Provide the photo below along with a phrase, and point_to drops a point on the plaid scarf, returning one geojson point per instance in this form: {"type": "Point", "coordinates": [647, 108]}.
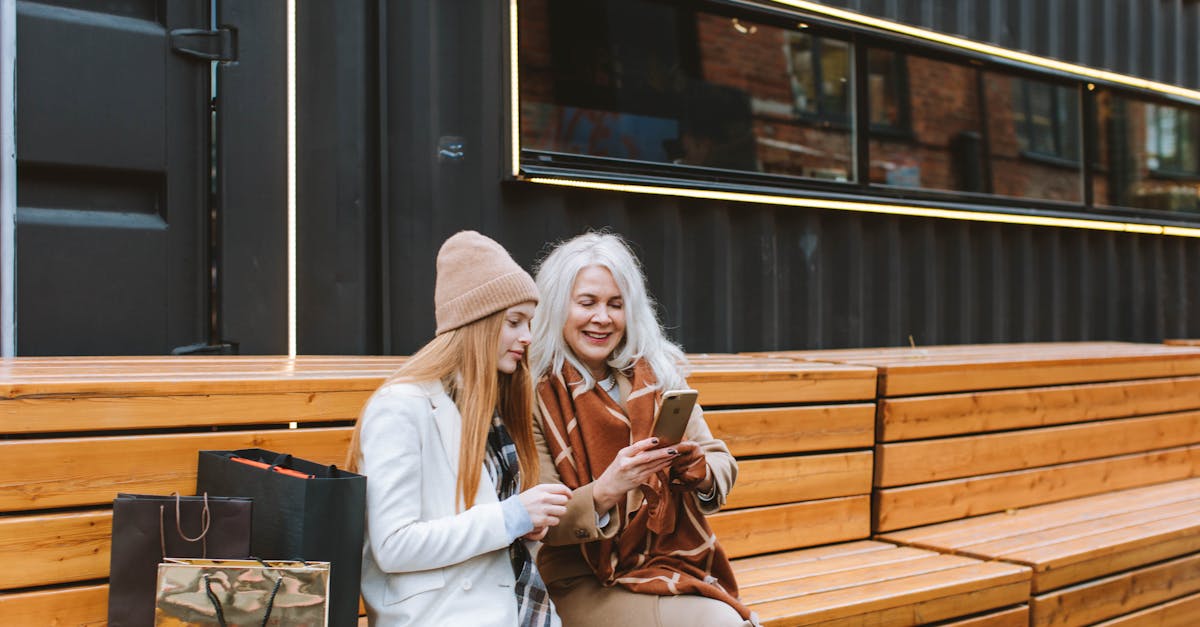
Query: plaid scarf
{"type": "Point", "coordinates": [667, 547]}
{"type": "Point", "coordinates": [534, 608]}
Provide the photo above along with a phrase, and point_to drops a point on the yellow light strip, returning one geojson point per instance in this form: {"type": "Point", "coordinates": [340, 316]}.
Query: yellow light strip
{"type": "Point", "coordinates": [884, 208]}
{"type": "Point", "coordinates": [291, 176]}
{"type": "Point", "coordinates": [1004, 53]}
{"type": "Point", "coordinates": [514, 92]}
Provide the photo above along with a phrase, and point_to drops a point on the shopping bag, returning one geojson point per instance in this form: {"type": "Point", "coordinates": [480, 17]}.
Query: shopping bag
{"type": "Point", "coordinates": [241, 592]}
{"type": "Point", "coordinates": [316, 517]}
{"type": "Point", "coordinates": [147, 528]}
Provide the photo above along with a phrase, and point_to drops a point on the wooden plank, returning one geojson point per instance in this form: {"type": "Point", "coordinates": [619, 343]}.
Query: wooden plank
{"type": "Point", "coordinates": [800, 478]}
{"type": "Point", "coordinates": [794, 429]}
{"type": "Point", "coordinates": [919, 417]}
{"type": "Point", "coordinates": [1106, 598]}
{"type": "Point", "coordinates": [788, 575]}
{"type": "Point", "coordinates": [813, 582]}
{"type": "Point", "coordinates": [908, 379]}
{"type": "Point", "coordinates": [85, 606]}
{"type": "Point", "coordinates": [54, 548]}
{"type": "Point", "coordinates": [955, 535]}
{"type": "Point", "coordinates": [782, 527]}
{"type": "Point", "coordinates": [943, 610]}
{"type": "Point", "coordinates": [814, 554]}
{"type": "Point", "coordinates": [922, 504]}
{"type": "Point", "coordinates": [65, 472]}
{"type": "Point", "coordinates": [942, 594]}
{"type": "Point", "coordinates": [100, 413]}
{"type": "Point", "coordinates": [1011, 617]}
{"type": "Point", "coordinates": [802, 383]}
{"type": "Point", "coordinates": [906, 463]}
{"type": "Point", "coordinates": [1182, 612]}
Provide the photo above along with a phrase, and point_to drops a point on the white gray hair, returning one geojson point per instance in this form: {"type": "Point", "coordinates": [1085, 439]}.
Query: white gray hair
{"type": "Point", "coordinates": [644, 336]}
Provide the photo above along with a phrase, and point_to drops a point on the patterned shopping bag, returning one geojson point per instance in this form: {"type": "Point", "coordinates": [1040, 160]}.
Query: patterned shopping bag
{"type": "Point", "coordinates": [242, 592]}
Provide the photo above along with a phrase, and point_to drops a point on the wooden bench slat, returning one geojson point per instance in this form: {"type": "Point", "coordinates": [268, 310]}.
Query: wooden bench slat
{"type": "Point", "coordinates": [1180, 612]}
{"type": "Point", "coordinates": [906, 463]}
{"type": "Point", "coordinates": [1012, 617]}
{"type": "Point", "coordinates": [1132, 555]}
{"type": "Point", "coordinates": [96, 413]}
{"type": "Point", "coordinates": [795, 525]}
{"type": "Point", "coordinates": [1120, 594]}
{"type": "Point", "coordinates": [918, 417]}
{"type": "Point", "coordinates": [974, 587]}
{"type": "Point", "coordinates": [813, 554]}
{"type": "Point", "coordinates": [1049, 545]}
{"type": "Point", "coordinates": [54, 548]}
{"type": "Point", "coordinates": [81, 606]}
{"type": "Point", "coordinates": [855, 562]}
{"type": "Point", "coordinates": [812, 583]}
{"type": "Point", "coordinates": [799, 385]}
{"type": "Point", "coordinates": [775, 480]}
{"type": "Point", "coordinates": [956, 534]}
{"type": "Point", "coordinates": [921, 504]}
{"type": "Point", "coordinates": [793, 429]}
{"type": "Point", "coordinates": [90, 471]}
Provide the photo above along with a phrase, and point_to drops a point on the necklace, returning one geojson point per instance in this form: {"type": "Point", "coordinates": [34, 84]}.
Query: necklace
{"type": "Point", "coordinates": [608, 383]}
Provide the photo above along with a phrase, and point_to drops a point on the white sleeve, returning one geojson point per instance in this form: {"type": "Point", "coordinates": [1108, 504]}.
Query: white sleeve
{"type": "Point", "coordinates": [401, 541]}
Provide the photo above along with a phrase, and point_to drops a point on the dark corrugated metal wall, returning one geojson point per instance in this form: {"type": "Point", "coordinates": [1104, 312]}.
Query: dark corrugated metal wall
{"type": "Point", "coordinates": [735, 277]}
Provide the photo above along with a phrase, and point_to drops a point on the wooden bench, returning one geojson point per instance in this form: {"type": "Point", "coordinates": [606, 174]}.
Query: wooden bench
{"type": "Point", "coordinates": [76, 431]}
{"type": "Point", "coordinates": [798, 518]}
{"type": "Point", "coordinates": [1077, 460]}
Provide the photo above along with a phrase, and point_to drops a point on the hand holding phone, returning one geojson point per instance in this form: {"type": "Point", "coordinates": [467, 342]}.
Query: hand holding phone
{"type": "Point", "coordinates": [673, 415]}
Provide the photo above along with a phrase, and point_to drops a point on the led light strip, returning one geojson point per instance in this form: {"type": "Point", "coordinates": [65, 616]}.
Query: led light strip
{"type": "Point", "coordinates": [291, 176]}
{"type": "Point", "coordinates": [884, 208]}
{"type": "Point", "coordinates": [1004, 53]}
{"type": "Point", "coordinates": [513, 86]}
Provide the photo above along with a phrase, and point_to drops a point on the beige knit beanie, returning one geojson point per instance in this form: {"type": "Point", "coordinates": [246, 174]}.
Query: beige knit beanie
{"type": "Point", "coordinates": [476, 277]}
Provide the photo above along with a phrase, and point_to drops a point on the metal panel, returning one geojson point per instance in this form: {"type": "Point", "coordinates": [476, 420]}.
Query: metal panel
{"type": "Point", "coordinates": [252, 180]}
{"type": "Point", "coordinates": [737, 276]}
{"type": "Point", "coordinates": [112, 142]}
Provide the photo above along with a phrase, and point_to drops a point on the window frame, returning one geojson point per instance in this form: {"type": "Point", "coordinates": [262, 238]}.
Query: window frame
{"type": "Point", "coordinates": [540, 163]}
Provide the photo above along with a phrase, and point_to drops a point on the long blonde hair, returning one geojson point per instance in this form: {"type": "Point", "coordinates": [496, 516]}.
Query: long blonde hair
{"type": "Point", "coordinates": [465, 361]}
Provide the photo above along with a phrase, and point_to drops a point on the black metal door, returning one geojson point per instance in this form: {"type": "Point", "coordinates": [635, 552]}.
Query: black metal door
{"type": "Point", "coordinates": [112, 178]}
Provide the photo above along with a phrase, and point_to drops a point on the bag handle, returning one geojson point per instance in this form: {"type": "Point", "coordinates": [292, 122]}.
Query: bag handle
{"type": "Point", "coordinates": [205, 518]}
{"type": "Point", "coordinates": [216, 603]}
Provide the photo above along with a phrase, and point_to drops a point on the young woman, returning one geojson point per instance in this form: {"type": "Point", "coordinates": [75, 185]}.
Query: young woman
{"type": "Point", "coordinates": [634, 547]}
{"type": "Point", "coordinates": [452, 469]}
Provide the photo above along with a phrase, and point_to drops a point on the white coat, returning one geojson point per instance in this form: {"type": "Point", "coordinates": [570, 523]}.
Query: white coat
{"type": "Point", "coordinates": [424, 562]}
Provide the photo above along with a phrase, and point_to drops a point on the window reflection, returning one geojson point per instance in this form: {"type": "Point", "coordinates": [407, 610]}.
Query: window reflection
{"type": "Point", "coordinates": [1033, 138]}
{"type": "Point", "coordinates": [942, 148]}
{"type": "Point", "coordinates": [666, 83]}
{"type": "Point", "coordinates": [1149, 155]}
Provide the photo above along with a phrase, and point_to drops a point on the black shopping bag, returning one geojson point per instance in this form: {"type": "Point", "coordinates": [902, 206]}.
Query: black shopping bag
{"type": "Point", "coordinates": [146, 529]}
{"type": "Point", "coordinates": [302, 511]}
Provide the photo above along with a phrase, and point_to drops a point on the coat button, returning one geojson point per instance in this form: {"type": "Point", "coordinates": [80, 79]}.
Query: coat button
{"type": "Point", "coordinates": [581, 533]}
{"type": "Point", "coordinates": [466, 585]}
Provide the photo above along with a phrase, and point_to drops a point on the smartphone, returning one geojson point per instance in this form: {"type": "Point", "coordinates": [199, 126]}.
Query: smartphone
{"type": "Point", "coordinates": [673, 415]}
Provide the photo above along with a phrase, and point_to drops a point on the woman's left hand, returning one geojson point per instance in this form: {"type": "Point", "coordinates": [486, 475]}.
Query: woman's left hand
{"type": "Point", "coordinates": [690, 454]}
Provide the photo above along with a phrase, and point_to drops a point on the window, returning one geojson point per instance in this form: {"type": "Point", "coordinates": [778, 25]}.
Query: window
{"type": "Point", "coordinates": [1173, 140]}
{"type": "Point", "coordinates": [1046, 119]}
{"type": "Point", "coordinates": [1033, 138]}
{"type": "Point", "coordinates": [669, 85]}
{"type": "Point", "coordinates": [720, 94]}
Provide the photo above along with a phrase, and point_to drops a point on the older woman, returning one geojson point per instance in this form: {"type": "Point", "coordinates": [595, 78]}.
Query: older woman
{"type": "Point", "coordinates": [634, 547]}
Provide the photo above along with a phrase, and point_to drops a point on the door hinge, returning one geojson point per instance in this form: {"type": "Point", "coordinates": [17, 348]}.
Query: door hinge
{"type": "Point", "coordinates": [210, 45]}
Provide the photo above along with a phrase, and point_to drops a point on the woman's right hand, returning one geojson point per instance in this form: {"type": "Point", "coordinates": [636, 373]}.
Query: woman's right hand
{"type": "Point", "coordinates": [632, 467]}
{"type": "Point", "coordinates": [546, 503]}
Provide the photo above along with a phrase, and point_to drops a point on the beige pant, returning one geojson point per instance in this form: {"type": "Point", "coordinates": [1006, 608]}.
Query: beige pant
{"type": "Point", "coordinates": [583, 602]}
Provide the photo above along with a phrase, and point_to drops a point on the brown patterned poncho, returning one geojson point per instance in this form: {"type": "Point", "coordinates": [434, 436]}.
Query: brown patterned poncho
{"type": "Point", "coordinates": [667, 548]}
